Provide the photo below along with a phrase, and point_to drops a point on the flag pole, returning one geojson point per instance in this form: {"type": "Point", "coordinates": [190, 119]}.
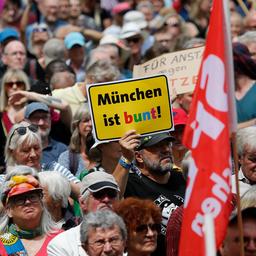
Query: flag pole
{"type": "Point", "coordinates": [233, 116]}
{"type": "Point", "coordinates": [209, 235]}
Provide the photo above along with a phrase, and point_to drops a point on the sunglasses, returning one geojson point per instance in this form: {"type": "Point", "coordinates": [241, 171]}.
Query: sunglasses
{"type": "Point", "coordinates": [133, 40]}
{"type": "Point", "coordinates": [23, 130]}
{"type": "Point", "coordinates": [110, 193]}
{"type": "Point", "coordinates": [22, 199]}
{"type": "Point", "coordinates": [19, 84]}
{"type": "Point", "coordinates": [40, 29]}
{"type": "Point", "coordinates": [175, 25]}
{"type": "Point", "coordinates": [144, 228]}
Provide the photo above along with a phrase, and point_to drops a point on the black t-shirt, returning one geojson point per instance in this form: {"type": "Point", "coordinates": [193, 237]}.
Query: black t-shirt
{"type": "Point", "coordinates": [167, 196]}
{"type": "Point", "coordinates": [2, 145]}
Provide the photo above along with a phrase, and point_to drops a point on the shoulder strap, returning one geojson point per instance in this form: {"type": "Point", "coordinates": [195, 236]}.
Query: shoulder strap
{"type": "Point", "coordinates": [32, 68]}
{"type": "Point", "coordinates": [73, 162]}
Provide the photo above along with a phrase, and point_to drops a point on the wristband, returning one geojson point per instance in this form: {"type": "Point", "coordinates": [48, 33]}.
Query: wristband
{"type": "Point", "coordinates": [125, 163]}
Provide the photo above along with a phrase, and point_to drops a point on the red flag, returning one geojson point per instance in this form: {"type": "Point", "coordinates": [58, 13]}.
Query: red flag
{"type": "Point", "coordinates": [207, 135]}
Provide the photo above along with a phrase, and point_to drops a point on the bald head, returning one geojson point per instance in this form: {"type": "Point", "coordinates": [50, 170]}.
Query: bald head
{"type": "Point", "coordinates": [14, 55]}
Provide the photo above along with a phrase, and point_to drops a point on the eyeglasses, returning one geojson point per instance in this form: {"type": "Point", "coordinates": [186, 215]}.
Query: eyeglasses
{"type": "Point", "coordinates": [110, 193]}
{"type": "Point", "coordinates": [144, 228]}
{"type": "Point", "coordinates": [22, 199]}
{"type": "Point", "coordinates": [35, 118]}
{"type": "Point", "coordinates": [133, 40]}
{"type": "Point", "coordinates": [23, 130]}
{"type": "Point", "coordinates": [19, 84]}
{"type": "Point", "coordinates": [38, 29]}
{"type": "Point", "coordinates": [114, 241]}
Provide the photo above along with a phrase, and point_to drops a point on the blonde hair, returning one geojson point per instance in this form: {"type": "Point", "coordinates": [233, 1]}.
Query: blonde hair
{"type": "Point", "coordinates": [83, 113]}
{"type": "Point", "coordinates": [10, 73]}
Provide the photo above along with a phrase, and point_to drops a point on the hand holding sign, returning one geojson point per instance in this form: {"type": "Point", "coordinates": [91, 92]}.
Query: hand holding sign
{"type": "Point", "coordinates": [129, 142]}
{"type": "Point", "coordinates": [140, 104]}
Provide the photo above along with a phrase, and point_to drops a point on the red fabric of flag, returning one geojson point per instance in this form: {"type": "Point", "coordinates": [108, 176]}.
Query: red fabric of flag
{"type": "Point", "coordinates": [207, 135]}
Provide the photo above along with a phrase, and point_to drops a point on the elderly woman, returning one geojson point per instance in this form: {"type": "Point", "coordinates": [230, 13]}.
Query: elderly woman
{"type": "Point", "coordinates": [12, 81]}
{"type": "Point", "coordinates": [23, 146]}
{"type": "Point", "coordinates": [75, 158]}
{"type": "Point", "coordinates": [26, 225]}
{"type": "Point", "coordinates": [142, 219]}
{"type": "Point", "coordinates": [56, 191]}
{"type": "Point", "coordinates": [103, 233]}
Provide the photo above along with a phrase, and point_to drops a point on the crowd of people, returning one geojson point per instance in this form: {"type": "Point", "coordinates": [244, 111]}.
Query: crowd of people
{"type": "Point", "coordinates": [62, 192]}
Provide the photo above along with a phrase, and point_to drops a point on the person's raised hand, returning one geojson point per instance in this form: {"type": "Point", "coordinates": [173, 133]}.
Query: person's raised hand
{"type": "Point", "coordinates": [18, 98]}
{"type": "Point", "coordinates": [129, 142]}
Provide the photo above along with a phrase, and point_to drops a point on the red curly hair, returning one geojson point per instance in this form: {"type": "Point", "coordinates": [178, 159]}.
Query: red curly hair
{"type": "Point", "coordinates": [136, 212]}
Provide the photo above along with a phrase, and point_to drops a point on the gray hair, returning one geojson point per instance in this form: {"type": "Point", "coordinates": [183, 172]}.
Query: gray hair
{"type": "Point", "coordinates": [246, 137]}
{"type": "Point", "coordinates": [11, 73]}
{"type": "Point", "coordinates": [39, 26]}
{"type": "Point", "coordinates": [145, 4]}
{"type": "Point", "coordinates": [101, 219]}
{"type": "Point", "coordinates": [47, 224]}
{"type": "Point", "coordinates": [185, 164]}
{"type": "Point", "coordinates": [247, 38]}
{"type": "Point", "coordinates": [14, 140]}
{"type": "Point", "coordinates": [102, 71]}
{"type": "Point", "coordinates": [248, 199]}
{"type": "Point", "coordinates": [82, 113]}
{"type": "Point", "coordinates": [193, 42]}
{"type": "Point", "coordinates": [58, 186]}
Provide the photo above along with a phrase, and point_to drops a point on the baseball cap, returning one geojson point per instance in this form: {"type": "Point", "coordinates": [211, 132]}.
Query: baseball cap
{"type": "Point", "coordinates": [54, 49]}
{"type": "Point", "coordinates": [152, 140]}
{"type": "Point", "coordinates": [35, 106]}
{"type": "Point", "coordinates": [98, 180]}
{"type": "Point", "coordinates": [20, 184]}
{"type": "Point", "coordinates": [74, 38]}
{"type": "Point", "coordinates": [130, 29]}
{"type": "Point", "coordinates": [113, 40]}
{"type": "Point", "coordinates": [136, 17]}
{"type": "Point", "coordinates": [8, 33]}
{"type": "Point", "coordinates": [96, 144]}
{"type": "Point", "coordinates": [180, 116]}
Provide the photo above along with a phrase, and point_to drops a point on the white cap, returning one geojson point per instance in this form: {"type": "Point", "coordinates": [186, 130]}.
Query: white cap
{"type": "Point", "coordinates": [98, 180]}
{"type": "Point", "coordinates": [109, 39]}
{"type": "Point", "coordinates": [136, 17]}
{"type": "Point", "coordinates": [130, 29]}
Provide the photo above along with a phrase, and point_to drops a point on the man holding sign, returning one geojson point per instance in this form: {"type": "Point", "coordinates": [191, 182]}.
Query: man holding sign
{"type": "Point", "coordinates": [152, 177]}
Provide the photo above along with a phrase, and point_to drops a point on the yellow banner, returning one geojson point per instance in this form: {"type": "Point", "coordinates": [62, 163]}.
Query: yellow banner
{"type": "Point", "coordinates": [141, 104]}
